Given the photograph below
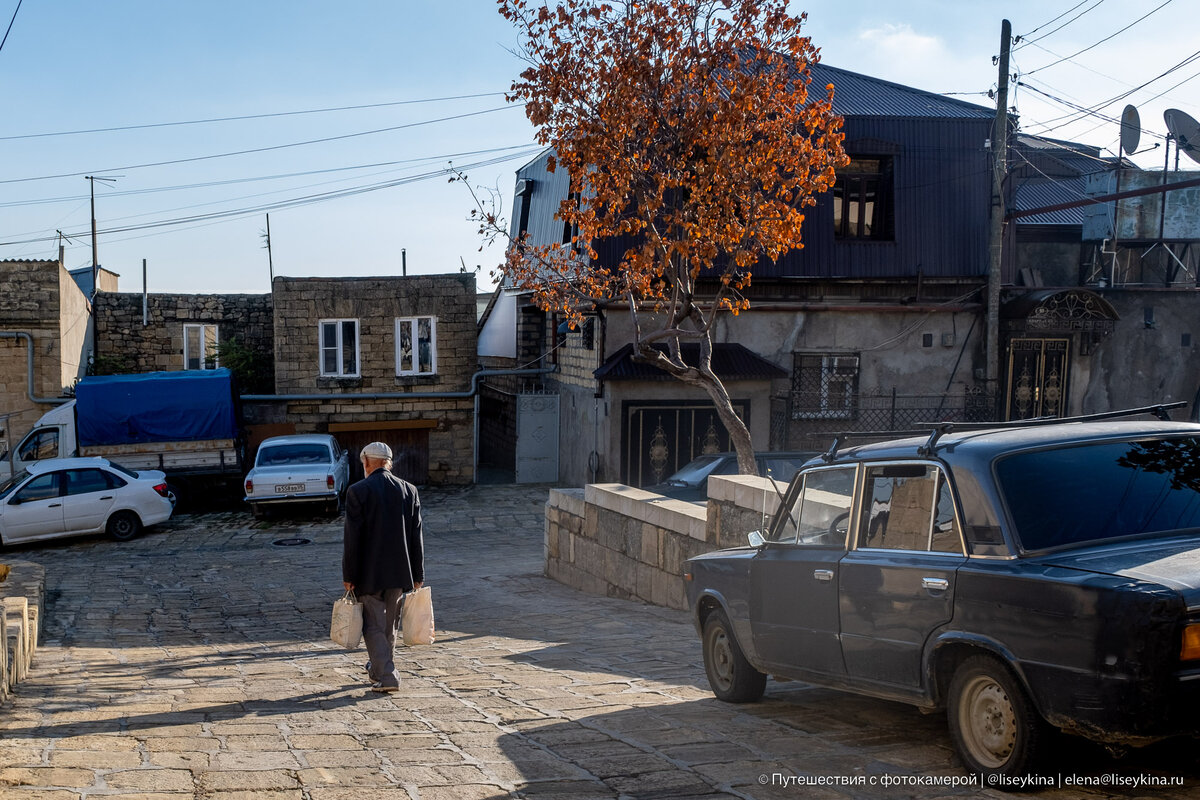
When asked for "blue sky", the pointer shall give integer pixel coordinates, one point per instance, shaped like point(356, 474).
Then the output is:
point(74, 66)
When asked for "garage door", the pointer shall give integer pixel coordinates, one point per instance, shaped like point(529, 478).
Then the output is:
point(410, 447)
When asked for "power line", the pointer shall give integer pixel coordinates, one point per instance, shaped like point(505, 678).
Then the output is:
point(248, 116)
point(279, 176)
point(10, 24)
point(1017, 40)
point(263, 149)
point(295, 202)
point(1105, 39)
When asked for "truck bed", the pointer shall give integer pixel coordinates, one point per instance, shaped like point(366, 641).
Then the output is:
point(214, 456)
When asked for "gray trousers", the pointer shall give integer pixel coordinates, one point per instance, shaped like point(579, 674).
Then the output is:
point(381, 618)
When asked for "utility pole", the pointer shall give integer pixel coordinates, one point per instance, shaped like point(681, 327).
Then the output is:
point(91, 179)
point(270, 258)
point(996, 239)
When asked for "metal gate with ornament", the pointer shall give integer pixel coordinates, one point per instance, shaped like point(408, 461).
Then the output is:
point(537, 438)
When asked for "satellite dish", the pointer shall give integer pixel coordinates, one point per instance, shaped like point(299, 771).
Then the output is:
point(1131, 129)
point(1186, 131)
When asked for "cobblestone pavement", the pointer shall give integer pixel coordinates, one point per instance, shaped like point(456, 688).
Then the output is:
point(194, 662)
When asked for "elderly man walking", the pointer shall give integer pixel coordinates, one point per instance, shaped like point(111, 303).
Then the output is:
point(382, 556)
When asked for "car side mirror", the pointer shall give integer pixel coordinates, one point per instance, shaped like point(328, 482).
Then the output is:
point(756, 538)
point(14, 501)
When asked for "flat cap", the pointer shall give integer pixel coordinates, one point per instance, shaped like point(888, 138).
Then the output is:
point(377, 450)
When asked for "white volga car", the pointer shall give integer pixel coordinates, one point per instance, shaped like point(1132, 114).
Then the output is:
point(301, 468)
point(70, 496)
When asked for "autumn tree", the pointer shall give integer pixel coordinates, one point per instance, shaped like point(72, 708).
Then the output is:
point(692, 139)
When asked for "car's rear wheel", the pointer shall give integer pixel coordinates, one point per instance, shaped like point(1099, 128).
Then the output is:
point(732, 678)
point(124, 525)
point(995, 727)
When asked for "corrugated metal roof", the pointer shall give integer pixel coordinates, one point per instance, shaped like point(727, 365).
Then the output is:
point(1049, 193)
point(861, 95)
point(729, 362)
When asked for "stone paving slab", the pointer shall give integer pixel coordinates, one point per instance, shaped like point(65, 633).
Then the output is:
point(193, 663)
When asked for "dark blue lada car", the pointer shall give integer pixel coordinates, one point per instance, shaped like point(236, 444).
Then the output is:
point(1023, 579)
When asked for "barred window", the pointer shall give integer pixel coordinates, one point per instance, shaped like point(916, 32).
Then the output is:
point(824, 385)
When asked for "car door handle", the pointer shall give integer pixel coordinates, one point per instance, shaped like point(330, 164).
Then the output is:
point(935, 584)
point(823, 574)
point(54, 505)
point(107, 497)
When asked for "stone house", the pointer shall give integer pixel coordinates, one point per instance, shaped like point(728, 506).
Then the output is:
point(388, 358)
point(45, 341)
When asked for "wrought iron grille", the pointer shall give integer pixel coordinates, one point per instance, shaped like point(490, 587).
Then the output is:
point(892, 412)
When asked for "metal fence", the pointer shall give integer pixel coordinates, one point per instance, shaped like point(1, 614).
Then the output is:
point(888, 412)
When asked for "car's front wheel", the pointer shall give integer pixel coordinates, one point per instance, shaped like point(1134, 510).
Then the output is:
point(124, 525)
point(996, 729)
point(732, 678)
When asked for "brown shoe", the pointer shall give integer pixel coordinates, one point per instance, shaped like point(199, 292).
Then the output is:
point(383, 688)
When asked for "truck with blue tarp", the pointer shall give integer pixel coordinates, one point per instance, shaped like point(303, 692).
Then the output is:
point(185, 423)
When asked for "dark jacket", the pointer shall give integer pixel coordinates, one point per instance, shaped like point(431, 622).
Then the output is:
point(382, 547)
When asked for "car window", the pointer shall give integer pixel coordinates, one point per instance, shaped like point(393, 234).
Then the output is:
point(85, 481)
point(908, 507)
point(287, 454)
point(43, 444)
point(821, 509)
point(122, 470)
point(1091, 492)
point(782, 468)
point(12, 483)
point(40, 488)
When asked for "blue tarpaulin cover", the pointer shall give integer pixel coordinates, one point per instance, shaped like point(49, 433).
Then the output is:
point(187, 405)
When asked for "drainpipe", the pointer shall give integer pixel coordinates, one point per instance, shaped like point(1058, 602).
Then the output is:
point(29, 376)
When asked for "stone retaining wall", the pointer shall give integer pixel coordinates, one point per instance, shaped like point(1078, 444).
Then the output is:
point(615, 540)
point(22, 598)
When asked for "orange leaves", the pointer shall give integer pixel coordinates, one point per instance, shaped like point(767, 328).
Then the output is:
point(698, 132)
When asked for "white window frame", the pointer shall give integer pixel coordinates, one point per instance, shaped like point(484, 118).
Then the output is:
point(338, 346)
point(413, 366)
point(204, 328)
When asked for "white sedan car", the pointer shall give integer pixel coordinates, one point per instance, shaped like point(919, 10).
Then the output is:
point(71, 496)
point(300, 468)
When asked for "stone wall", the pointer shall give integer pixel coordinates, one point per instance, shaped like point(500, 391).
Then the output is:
point(618, 541)
point(300, 303)
point(124, 344)
point(31, 302)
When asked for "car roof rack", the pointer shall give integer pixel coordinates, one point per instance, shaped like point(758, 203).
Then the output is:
point(939, 429)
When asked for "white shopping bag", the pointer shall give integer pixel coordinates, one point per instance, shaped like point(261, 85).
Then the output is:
point(345, 628)
point(416, 616)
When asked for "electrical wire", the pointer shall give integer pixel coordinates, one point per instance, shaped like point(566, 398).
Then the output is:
point(249, 116)
point(1018, 40)
point(270, 148)
point(283, 204)
point(1105, 39)
point(10, 24)
point(279, 176)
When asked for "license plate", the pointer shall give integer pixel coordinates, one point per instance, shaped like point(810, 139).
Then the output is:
point(287, 488)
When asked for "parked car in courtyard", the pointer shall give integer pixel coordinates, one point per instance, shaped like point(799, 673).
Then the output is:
point(691, 481)
point(71, 496)
point(1024, 578)
point(298, 468)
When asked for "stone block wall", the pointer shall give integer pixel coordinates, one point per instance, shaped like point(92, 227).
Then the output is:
point(618, 541)
point(300, 303)
point(124, 344)
point(31, 302)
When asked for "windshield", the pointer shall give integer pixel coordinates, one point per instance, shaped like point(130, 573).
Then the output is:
point(283, 454)
point(123, 470)
point(1092, 492)
point(8, 485)
point(695, 471)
